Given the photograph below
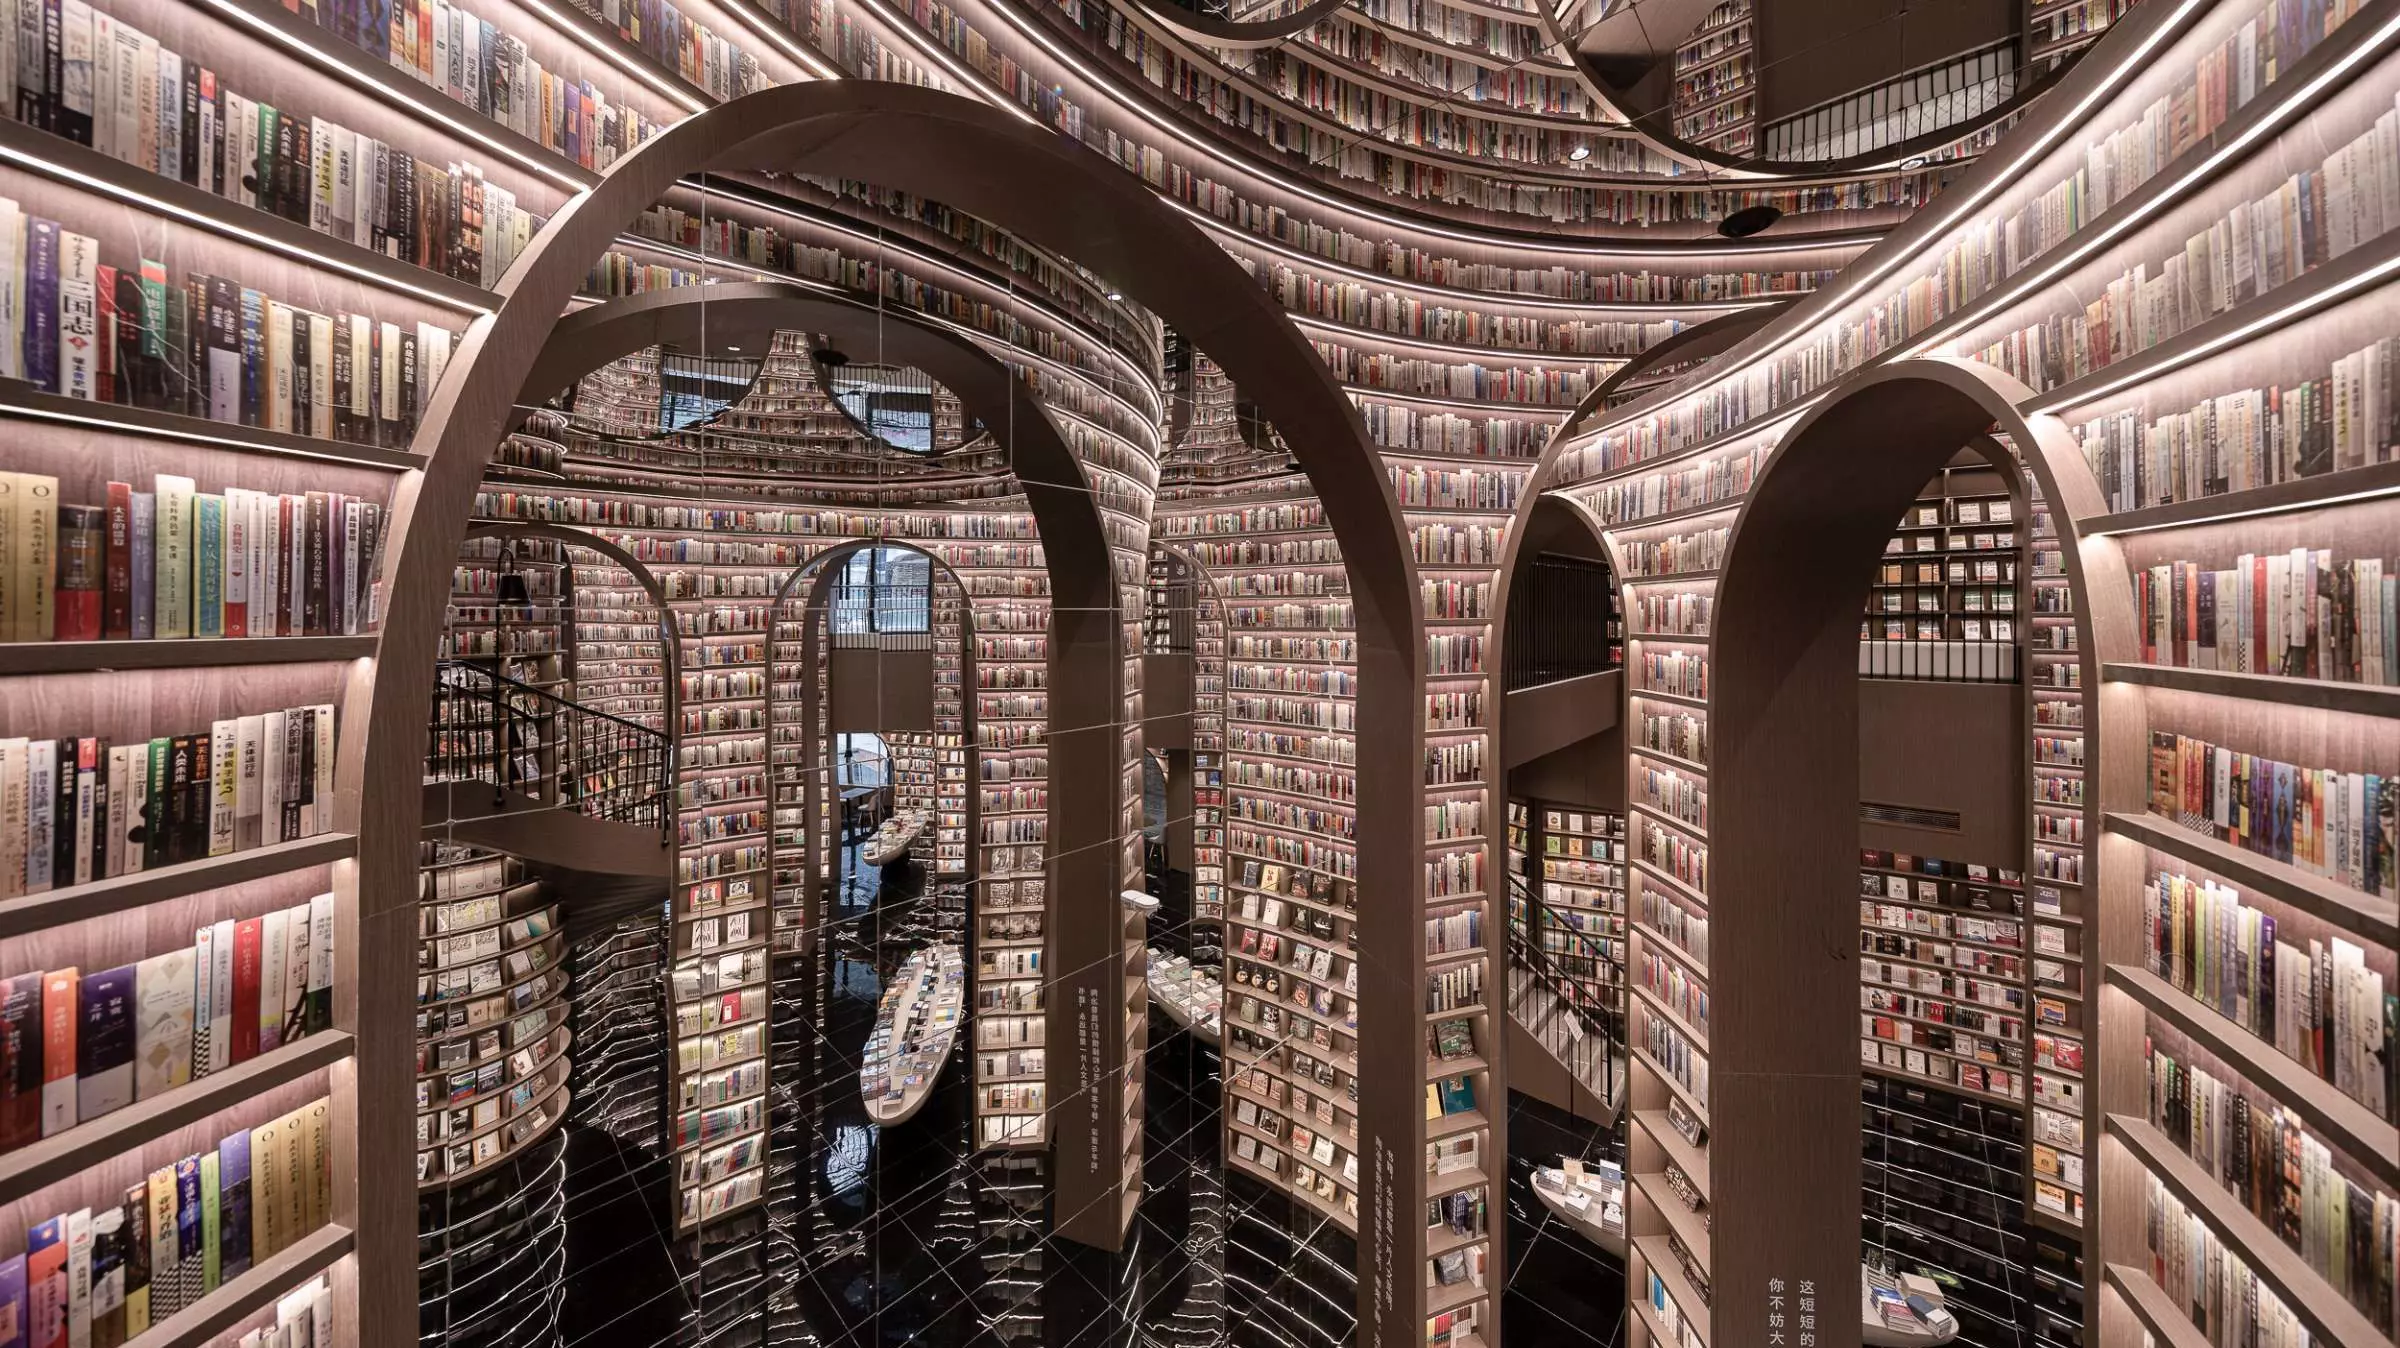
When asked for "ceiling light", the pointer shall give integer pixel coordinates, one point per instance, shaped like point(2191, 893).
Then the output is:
point(1115, 295)
point(1580, 153)
point(732, 348)
point(1914, 161)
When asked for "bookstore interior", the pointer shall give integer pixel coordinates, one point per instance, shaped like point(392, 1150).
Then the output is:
point(693, 439)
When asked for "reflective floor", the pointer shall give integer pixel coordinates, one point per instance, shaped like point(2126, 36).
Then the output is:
point(904, 1235)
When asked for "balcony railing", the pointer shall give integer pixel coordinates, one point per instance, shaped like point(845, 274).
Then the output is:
point(1952, 92)
point(527, 742)
point(1555, 1002)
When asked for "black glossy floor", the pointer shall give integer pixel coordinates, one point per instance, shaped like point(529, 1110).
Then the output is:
point(903, 1235)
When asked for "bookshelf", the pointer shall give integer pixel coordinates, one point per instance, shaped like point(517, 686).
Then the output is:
point(1580, 917)
point(1714, 98)
point(1950, 579)
point(492, 1014)
point(2075, 202)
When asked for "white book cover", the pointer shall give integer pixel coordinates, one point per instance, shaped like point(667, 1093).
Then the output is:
point(279, 367)
point(110, 115)
point(144, 75)
point(164, 1000)
point(13, 819)
point(79, 1278)
point(320, 376)
point(124, 788)
point(78, 315)
point(323, 156)
point(204, 1001)
point(242, 146)
point(224, 777)
point(248, 829)
point(41, 797)
point(170, 113)
point(220, 996)
point(173, 581)
point(87, 823)
point(12, 290)
point(271, 789)
point(320, 958)
point(274, 935)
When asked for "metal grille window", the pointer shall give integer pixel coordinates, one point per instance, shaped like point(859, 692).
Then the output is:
point(883, 590)
point(1949, 93)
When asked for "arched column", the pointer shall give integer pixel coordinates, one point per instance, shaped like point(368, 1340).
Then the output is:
point(1783, 805)
point(1056, 194)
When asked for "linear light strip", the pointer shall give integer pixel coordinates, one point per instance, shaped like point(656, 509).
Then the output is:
point(426, 111)
point(136, 197)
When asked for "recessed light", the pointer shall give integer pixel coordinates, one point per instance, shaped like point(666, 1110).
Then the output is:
point(1914, 161)
point(1115, 295)
point(732, 348)
point(1580, 153)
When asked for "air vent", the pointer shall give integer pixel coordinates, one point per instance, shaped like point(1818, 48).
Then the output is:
point(1909, 816)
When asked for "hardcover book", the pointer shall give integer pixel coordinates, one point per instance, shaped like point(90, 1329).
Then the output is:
point(21, 1067)
point(59, 1008)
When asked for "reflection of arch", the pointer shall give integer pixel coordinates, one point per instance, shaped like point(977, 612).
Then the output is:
point(818, 573)
point(1054, 192)
point(1783, 941)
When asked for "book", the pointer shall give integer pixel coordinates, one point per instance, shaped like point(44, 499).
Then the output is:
point(233, 1174)
point(21, 1064)
point(79, 1278)
point(220, 972)
point(59, 1012)
point(248, 971)
point(164, 1003)
point(105, 1042)
point(46, 1284)
point(15, 1315)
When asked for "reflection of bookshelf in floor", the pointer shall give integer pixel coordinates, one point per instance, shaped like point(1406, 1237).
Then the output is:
point(1942, 1193)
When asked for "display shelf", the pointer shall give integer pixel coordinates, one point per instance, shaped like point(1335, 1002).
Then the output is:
point(39, 1164)
point(2311, 694)
point(24, 401)
point(2319, 896)
point(86, 657)
point(236, 1299)
point(1661, 1261)
point(2373, 1142)
point(2150, 1306)
point(2367, 483)
point(2329, 1317)
point(34, 912)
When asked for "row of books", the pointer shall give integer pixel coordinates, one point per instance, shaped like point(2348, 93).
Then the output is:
point(77, 810)
point(189, 1227)
point(2317, 1002)
point(2286, 1178)
point(75, 1047)
point(175, 562)
point(122, 92)
point(2299, 614)
point(2341, 825)
point(2253, 437)
point(74, 324)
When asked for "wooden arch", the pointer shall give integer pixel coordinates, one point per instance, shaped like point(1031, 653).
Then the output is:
point(1024, 179)
point(1783, 791)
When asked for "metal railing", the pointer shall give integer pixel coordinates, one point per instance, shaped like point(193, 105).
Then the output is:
point(491, 729)
point(1546, 1000)
point(1951, 92)
point(1562, 623)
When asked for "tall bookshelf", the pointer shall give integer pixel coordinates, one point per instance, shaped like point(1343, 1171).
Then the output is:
point(2092, 195)
point(1714, 97)
point(1580, 879)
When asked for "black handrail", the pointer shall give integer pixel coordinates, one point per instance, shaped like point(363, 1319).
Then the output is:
point(517, 738)
point(1532, 955)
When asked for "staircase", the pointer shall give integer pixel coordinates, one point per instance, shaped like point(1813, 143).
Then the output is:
point(1548, 1018)
point(516, 768)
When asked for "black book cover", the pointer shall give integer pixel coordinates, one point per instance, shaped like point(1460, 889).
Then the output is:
point(140, 380)
point(344, 371)
point(401, 202)
point(75, 126)
point(307, 792)
point(189, 168)
point(62, 821)
point(304, 391)
point(408, 386)
point(101, 786)
point(31, 71)
point(179, 803)
point(183, 336)
point(223, 335)
point(254, 357)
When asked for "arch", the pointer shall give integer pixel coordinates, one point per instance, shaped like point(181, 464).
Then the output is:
point(1697, 342)
point(1783, 787)
point(1234, 34)
point(1058, 195)
point(818, 572)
